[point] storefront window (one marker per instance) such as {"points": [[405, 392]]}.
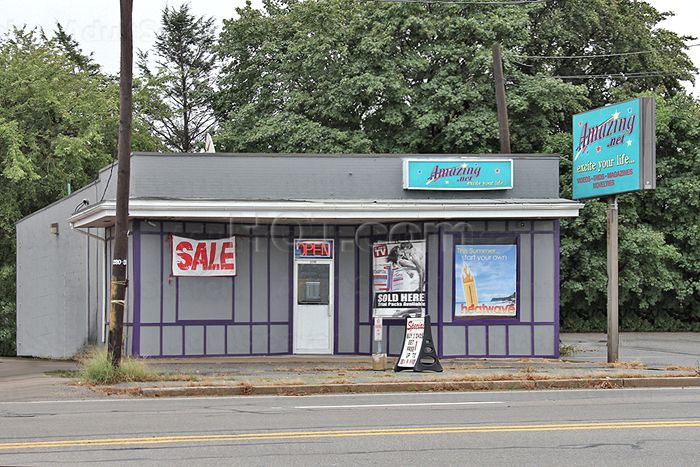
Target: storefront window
{"points": [[485, 278]]}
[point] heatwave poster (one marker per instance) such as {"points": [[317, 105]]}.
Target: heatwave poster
{"points": [[398, 279], [485, 280]]}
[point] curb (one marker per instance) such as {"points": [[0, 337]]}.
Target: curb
{"points": [[416, 386]]}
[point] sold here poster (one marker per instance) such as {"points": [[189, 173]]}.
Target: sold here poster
{"points": [[485, 280], [203, 258]]}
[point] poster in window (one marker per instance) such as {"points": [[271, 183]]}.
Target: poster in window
{"points": [[398, 278], [485, 281]]}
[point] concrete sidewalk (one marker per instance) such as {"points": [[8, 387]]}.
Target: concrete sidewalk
{"points": [[647, 359]]}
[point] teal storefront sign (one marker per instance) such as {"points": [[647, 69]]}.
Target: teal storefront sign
{"points": [[614, 149], [457, 174]]}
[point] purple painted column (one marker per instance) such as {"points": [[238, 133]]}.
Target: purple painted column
{"points": [[136, 281]]}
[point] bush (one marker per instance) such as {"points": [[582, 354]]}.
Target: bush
{"points": [[96, 368]]}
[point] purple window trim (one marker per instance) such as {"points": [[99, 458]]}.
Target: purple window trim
{"points": [[336, 289], [488, 321], [250, 294], [532, 292], [269, 312], [162, 292], [291, 266], [136, 258], [356, 285], [557, 285], [440, 287]]}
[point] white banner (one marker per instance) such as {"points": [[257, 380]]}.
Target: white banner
{"points": [[398, 278], [203, 258]]}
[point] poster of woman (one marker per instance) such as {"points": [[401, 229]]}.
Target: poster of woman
{"points": [[485, 280], [399, 279]]}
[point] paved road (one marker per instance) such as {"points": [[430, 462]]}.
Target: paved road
{"points": [[587, 427]]}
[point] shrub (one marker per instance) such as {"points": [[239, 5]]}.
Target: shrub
{"points": [[96, 368]]}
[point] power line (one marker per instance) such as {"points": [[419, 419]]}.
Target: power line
{"points": [[640, 74], [619, 54]]}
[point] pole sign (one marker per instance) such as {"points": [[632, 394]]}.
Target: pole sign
{"points": [[457, 174], [615, 149], [378, 323], [203, 257]]}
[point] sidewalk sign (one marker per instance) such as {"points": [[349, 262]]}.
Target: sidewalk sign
{"points": [[418, 352]]}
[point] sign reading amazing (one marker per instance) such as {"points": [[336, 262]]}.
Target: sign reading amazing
{"points": [[457, 174], [615, 149], [203, 257]]}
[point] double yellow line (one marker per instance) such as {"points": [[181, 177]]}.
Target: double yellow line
{"points": [[288, 435]]}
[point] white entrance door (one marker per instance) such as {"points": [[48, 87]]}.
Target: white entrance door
{"points": [[313, 306]]}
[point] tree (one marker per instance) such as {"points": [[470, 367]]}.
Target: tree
{"points": [[357, 76], [58, 125], [183, 79]]}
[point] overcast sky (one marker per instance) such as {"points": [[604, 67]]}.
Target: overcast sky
{"points": [[95, 23]]}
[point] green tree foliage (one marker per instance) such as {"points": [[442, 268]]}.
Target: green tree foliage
{"points": [[359, 76], [58, 125], [184, 56]]}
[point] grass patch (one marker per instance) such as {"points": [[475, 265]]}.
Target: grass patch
{"points": [[96, 368], [566, 350]]}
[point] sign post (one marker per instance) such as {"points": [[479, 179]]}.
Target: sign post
{"points": [[614, 152], [613, 342]]}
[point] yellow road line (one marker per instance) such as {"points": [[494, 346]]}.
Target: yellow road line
{"points": [[281, 435]]}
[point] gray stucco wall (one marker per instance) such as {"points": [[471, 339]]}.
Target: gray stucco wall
{"points": [[251, 313], [60, 280], [309, 176]]}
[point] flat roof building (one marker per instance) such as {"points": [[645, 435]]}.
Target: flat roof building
{"points": [[264, 254]]}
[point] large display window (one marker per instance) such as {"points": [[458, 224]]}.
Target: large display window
{"points": [[486, 278]]}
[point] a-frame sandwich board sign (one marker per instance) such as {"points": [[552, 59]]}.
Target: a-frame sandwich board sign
{"points": [[418, 352]]}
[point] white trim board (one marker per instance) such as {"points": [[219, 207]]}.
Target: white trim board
{"points": [[103, 214]]}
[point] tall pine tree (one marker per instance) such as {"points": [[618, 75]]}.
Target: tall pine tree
{"points": [[184, 62]]}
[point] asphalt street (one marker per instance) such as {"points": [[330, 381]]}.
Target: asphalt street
{"points": [[580, 427]]}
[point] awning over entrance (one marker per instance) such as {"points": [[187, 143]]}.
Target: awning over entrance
{"points": [[319, 211]]}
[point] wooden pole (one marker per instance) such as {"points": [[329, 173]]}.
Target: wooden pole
{"points": [[121, 241], [613, 342], [501, 104]]}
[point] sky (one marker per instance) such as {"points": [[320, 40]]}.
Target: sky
{"points": [[95, 23]]}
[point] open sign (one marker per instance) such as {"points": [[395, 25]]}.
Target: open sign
{"points": [[313, 249], [203, 257]]}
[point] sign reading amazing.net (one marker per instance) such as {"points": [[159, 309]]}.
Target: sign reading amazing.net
{"points": [[203, 257], [457, 174], [615, 149]]}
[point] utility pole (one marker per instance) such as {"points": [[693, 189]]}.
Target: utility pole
{"points": [[121, 240], [501, 105]]}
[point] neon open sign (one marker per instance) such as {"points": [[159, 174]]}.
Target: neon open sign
{"points": [[319, 249]]}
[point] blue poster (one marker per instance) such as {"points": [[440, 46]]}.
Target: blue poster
{"points": [[606, 157], [457, 174], [485, 280]]}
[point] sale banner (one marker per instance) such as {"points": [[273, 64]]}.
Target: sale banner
{"points": [[485, 280], [398, 279], [203, 258]]}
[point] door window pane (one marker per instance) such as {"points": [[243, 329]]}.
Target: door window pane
{"points": [[313, 284]]}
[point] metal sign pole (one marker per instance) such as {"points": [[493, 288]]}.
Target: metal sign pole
{"points": [[613, 340]]}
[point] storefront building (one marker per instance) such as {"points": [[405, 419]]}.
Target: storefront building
{"points": [[269, 254]]}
